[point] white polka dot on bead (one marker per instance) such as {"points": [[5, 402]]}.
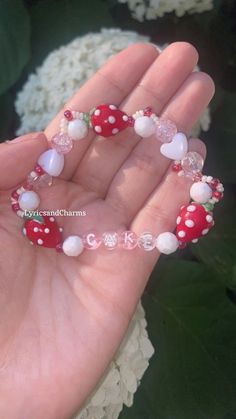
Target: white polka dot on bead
{"points": [[189, 223], [115, 130], [125, 118], [97, 128], [40, 241], [97, 112], [111, 119], [36, 229], [191, 208], [52, 219], [60, 229], [178, 219], [181, 233], [112, 107], [205, 231], [46, 230], [209, 218], [24, 231], [194, 240]]}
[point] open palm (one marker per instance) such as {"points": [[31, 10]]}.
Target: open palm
{"points": [[62, 319]]}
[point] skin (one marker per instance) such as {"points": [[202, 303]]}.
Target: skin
{"points": [[62, 319]]}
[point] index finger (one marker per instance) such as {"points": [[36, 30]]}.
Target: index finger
{"points": [[111, 84]]}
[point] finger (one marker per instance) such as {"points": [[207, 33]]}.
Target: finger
{"points": [[161, 209], [18, 157], [158, 84], [145, 166], [110, 84]]}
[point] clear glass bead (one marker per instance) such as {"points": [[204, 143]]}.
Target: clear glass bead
{"points": [[128, 240], [110, 240], [165, 130], [62, 143], [147, 241], [91, 240], [39, 182], [192, 163]]}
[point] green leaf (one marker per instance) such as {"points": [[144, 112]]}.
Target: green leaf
{"points": [[192, 326], [14, 41], [217, 250], [56, 22]]}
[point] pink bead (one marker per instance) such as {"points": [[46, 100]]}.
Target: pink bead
{"points": [[39, 170], [68, 115], [192, 163], [15, 207], [15, 195], [110, 240], [128, 240], [62, 143], [91, 240], [166, 130], [214, 183]]}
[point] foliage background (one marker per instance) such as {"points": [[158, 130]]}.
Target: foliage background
{"points": [[190, 301]]}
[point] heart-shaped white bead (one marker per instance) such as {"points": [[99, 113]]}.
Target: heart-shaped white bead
{"points": [[177, 149], [52, 162]]}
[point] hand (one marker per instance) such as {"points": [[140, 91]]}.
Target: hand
{"points": [[63, 318]]}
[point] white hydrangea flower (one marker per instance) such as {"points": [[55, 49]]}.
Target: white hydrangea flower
{"points": [[151, 9], [123, 377], [49, 88], [46, 91]]}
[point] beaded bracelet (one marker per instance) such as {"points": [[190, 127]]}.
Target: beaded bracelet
{"points": [[194, 220]]}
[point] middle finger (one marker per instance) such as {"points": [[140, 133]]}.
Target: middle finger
{"points": [[164, 77]]}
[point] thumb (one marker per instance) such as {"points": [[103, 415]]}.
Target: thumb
{"points": [[18, 157]]}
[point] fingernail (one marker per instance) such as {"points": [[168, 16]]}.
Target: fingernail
{"points": [[159, 49], [27, 137]]}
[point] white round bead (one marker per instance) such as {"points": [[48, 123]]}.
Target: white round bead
{"points": [[144, 126], [167, 243], [73, 246], [200, 192], [77, 129], [29, 201], [52, 162]]}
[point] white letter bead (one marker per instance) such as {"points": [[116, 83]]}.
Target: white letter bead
{"points": [[144, 126], [52, 162], [73, 246], [147, 241], [200, 192], [29, 200], [77, 129], [167, 243]]}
